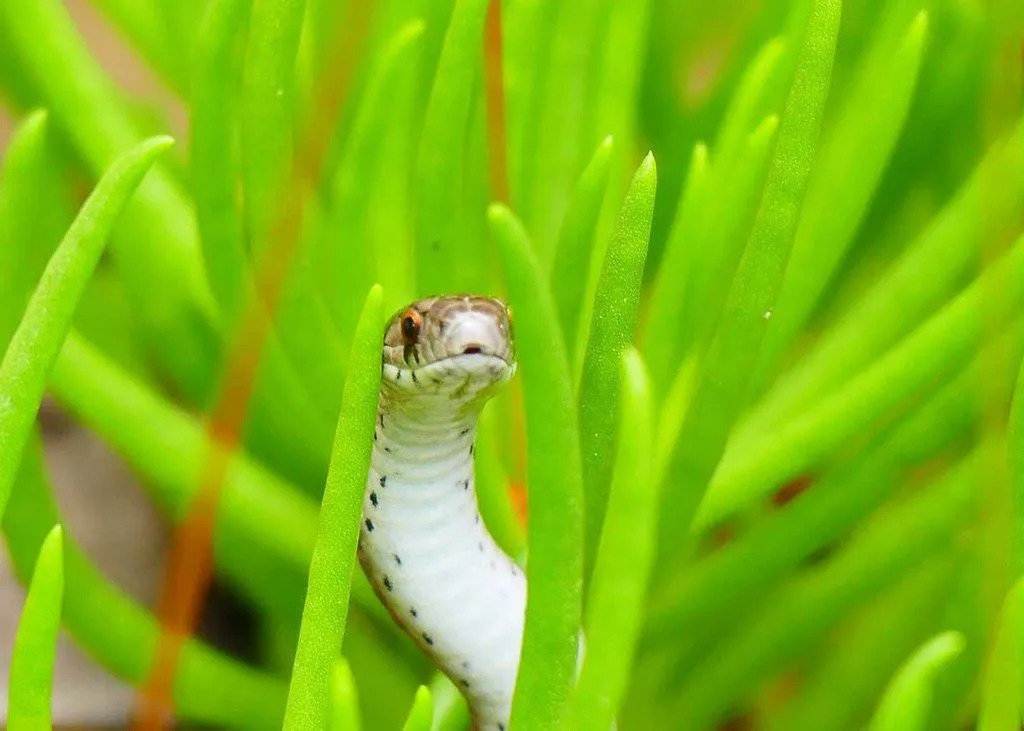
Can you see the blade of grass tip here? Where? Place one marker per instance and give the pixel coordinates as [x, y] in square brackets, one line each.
[267, 112]
[615, 603]
[450, 710]
[722, 389]
[923, 278]
[344, 699]
[547, 668]
[665, 305]
[1001, 688]
[904, 707]
[612, 329]
[794, 619]
[422, 711]
[35, 210]
[30, 684]
[37, 341]
[856, 152]
[576, 239]
[214, 164]
[155, 248]
[334, 553]
[941, 345]
[444, 261]
[210, 687]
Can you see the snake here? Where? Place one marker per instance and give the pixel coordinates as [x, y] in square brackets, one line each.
[423, 545]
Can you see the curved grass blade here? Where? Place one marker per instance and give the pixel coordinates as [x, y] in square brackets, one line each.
[932, 268]
[547, 668]
[940, 346]
[155, 246]
[880, 554]
[122, 635]
[1001, 701]
[576, 240]
[421, 713]
[333, 562]
[853, 156]
[1015, 449]
[616, 599]
[267, 119]
[344, 699]
[30, 685]
[611, 330]
[722, 390]
[908, 697]
[37, 341]
[35, 211]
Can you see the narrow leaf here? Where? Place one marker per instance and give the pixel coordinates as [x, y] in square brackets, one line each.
[421, 713]
[1001, 701]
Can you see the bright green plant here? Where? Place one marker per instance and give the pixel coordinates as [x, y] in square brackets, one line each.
[763, 416]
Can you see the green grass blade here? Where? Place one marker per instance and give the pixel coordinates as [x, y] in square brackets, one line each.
[547, 668]
[35, 212]
[612, 326]
[1001, 701]
[344, 699]
[139, 22]
[334, 553]
[576, 240]
[37, 341]
[421, 713]
[267, 119]
[445, 262]
[908, 697]
[942, 345]
[856, 151]
[665, 308]
[492, 487]
[155, 246]
[214, 164]
[723, 386]
[1015, 447]
[922, 279]
[783, 629]
[122, 635]
[35, 645]
[616, 599]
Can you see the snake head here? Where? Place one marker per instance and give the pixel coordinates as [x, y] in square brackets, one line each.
[461, 343]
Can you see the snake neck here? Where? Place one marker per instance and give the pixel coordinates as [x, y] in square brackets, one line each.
[429, 556]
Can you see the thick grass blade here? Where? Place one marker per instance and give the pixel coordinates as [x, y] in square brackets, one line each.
[122, 635]
[344, 699]
[611, 331]
[1001, 701]
[847, 171]
[722, 390]
[943, 344]
[922, 279]
[37, 341]
[214, 164]
[665, 308]
[616, 599]
[784, 628]
[35, 212]
[908, 697]
[444, 260]
[155, 245]
[334, 553]
[547, 668]
[421, 713]
[267, 119]
[30, 686]
[139, 22]
[576, 240]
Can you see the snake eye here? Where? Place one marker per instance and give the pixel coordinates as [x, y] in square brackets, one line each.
[411, 323]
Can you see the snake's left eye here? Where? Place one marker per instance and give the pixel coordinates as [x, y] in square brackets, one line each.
[411, 324]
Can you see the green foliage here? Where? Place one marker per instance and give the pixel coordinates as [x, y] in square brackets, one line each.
[807, 515]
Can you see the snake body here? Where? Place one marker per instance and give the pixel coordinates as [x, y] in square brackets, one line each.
[423, 545]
